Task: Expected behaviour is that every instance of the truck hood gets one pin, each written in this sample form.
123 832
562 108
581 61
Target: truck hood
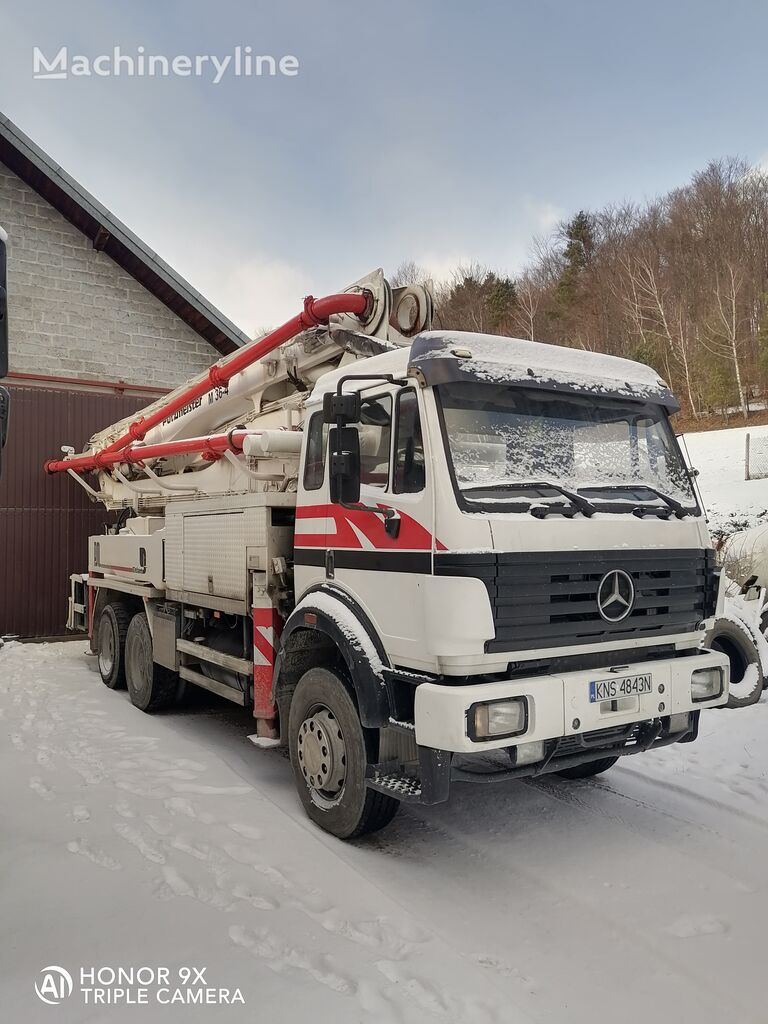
603 532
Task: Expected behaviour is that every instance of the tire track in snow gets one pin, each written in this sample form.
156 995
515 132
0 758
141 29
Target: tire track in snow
617 931
584 795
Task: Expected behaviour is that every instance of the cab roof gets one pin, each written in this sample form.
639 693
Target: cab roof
445 356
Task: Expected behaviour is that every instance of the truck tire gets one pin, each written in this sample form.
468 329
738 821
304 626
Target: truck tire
589 769
329 756
150 686
110 645
735 642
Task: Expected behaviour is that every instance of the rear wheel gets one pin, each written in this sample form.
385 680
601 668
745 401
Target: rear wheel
110 645
150 686
329 757
589 769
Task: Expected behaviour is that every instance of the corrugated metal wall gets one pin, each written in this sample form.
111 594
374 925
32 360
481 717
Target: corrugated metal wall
45 520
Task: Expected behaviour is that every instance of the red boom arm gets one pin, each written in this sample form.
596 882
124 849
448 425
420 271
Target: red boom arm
315 313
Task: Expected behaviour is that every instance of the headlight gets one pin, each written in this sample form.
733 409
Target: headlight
497 718
706 684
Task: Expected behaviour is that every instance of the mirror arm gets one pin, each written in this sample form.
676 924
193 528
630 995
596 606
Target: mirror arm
390 516
387 377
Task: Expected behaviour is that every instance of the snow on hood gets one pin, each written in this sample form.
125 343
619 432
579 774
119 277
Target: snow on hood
444 356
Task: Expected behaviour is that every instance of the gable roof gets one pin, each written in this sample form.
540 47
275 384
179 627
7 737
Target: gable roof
110 236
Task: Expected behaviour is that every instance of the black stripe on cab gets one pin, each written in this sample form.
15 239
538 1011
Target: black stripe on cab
375 561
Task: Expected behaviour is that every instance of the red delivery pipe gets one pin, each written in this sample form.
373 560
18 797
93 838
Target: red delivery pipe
211 447
315 313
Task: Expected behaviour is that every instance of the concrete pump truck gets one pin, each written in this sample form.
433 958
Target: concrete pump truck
418 556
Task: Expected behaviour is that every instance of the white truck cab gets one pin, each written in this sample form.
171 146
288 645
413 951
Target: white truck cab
459 545
552 576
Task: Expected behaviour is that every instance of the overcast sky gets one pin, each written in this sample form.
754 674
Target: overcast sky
435 131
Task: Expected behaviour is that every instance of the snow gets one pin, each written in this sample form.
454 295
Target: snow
264 742
732 502
747 684
132 840
508 360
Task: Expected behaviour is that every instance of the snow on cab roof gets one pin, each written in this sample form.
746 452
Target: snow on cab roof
443 356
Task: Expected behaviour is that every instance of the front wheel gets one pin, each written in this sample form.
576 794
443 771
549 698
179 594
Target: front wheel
150 686
589 769
329 758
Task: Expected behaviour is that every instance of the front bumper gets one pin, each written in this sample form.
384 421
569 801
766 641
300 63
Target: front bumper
559 705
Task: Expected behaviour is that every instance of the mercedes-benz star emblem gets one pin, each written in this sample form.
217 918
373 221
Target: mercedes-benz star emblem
615 595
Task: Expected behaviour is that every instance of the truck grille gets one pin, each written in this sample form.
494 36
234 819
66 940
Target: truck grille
549 599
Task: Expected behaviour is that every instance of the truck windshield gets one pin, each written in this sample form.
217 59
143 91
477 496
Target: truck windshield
507 443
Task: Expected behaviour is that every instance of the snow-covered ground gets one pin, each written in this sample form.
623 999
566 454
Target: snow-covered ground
169 840
732 502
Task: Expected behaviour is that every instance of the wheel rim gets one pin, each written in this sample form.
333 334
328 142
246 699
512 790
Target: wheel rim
322 755
106 648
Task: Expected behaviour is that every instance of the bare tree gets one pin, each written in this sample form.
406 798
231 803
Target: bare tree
409 273
655 314
725 337
529 296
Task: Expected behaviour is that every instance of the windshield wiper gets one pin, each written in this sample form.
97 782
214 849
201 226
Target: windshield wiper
679 509
540 511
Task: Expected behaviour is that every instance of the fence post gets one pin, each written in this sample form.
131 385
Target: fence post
746 456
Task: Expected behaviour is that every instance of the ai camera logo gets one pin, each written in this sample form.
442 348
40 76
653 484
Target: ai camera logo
56 985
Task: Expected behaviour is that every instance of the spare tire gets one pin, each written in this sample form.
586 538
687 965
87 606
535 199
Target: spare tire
734 639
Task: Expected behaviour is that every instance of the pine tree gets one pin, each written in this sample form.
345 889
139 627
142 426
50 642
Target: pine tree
578 252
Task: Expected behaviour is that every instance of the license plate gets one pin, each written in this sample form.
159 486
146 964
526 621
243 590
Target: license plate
612 689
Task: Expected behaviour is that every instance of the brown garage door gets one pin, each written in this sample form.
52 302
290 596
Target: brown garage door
45 520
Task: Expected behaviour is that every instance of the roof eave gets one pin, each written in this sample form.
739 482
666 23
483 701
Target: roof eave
109 235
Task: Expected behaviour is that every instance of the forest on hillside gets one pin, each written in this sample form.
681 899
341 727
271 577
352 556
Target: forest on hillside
680 283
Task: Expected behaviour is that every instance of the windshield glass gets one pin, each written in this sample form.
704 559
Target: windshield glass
503 440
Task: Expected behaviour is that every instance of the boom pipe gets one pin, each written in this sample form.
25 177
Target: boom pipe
211 448
316 312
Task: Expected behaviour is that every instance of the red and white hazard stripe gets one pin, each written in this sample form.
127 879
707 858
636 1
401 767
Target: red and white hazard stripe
267 627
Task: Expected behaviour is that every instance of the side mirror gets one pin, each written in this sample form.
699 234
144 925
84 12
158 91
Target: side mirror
5 407
344 446
341 407
3 308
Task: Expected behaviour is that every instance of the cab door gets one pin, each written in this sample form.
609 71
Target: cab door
314 511
385 571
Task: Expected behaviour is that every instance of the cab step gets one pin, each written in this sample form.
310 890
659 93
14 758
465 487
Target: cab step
394 782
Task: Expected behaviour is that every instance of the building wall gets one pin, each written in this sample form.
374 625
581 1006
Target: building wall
45 521
74 313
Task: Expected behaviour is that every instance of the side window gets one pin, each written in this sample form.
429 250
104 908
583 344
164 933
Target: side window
375 434
409 475
317 445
